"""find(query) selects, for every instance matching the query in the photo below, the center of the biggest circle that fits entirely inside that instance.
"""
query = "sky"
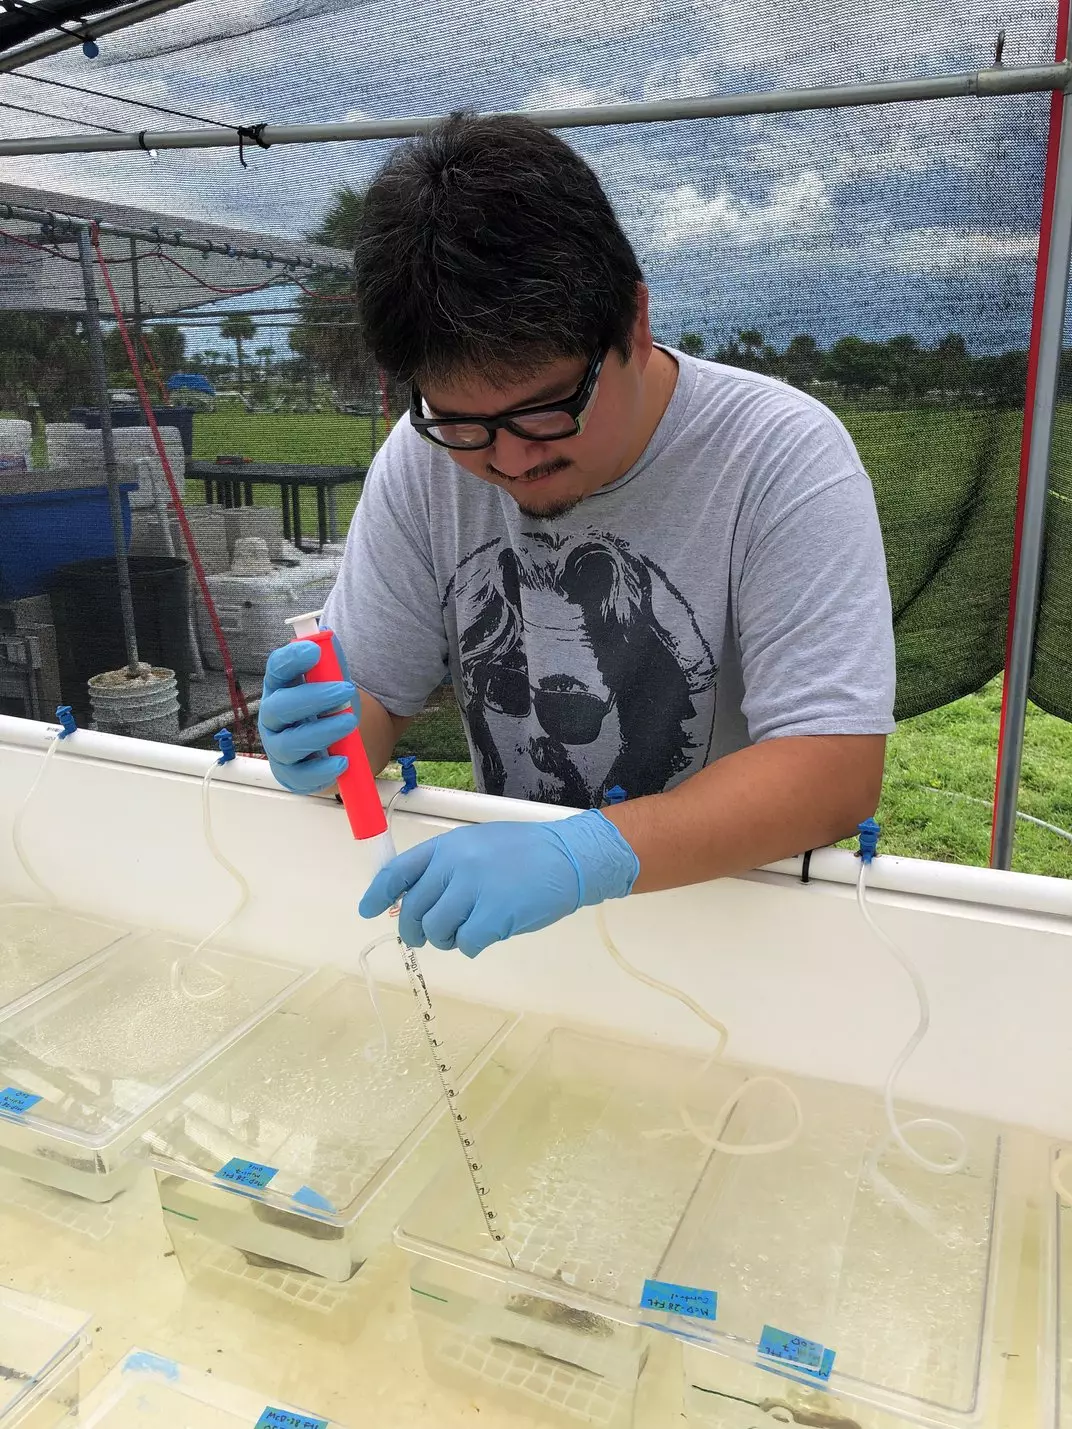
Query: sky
(916, 218)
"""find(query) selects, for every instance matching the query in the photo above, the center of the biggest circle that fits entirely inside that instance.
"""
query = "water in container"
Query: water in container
(41, 946)
(41, 1348)
(835, 1265)
(1061, 1355)
(284, 1172)
(85, 1069)
(841, 1264)
(590, 1192)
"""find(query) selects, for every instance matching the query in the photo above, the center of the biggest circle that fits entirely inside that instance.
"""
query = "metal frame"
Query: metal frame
(82, 229)
(106, 24)
(56, 224)
(979, 84)
(111, 466)
(995, 81)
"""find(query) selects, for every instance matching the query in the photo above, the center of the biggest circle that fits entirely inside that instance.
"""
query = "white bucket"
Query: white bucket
(250, 557)
(16, 439)
(143, 708)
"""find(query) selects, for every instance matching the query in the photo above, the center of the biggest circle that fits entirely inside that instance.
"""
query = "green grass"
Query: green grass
(312, 439)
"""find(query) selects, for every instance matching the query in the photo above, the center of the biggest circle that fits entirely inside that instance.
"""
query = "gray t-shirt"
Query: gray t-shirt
(729, 588)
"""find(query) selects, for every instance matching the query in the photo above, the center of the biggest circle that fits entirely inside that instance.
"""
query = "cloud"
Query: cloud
(684, 218)
(950, 249)
(799, 42)
(563, 93)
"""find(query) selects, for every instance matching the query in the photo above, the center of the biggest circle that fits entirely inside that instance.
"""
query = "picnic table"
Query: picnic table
(231, 484)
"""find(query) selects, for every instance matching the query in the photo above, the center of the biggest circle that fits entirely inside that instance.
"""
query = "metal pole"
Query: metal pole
(106, 25)
(156, 237)
(1036, 488)
(100, 373)
(1028, 79)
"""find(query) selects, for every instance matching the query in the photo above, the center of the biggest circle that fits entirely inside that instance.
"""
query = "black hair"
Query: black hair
(488, 245)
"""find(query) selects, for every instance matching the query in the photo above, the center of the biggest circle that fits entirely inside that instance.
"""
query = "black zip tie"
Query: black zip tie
(141, 141)
(805, 872)
(254, 132)
(999, 49)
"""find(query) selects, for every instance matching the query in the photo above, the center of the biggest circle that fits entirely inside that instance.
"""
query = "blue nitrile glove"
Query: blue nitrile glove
(294, 734)
(475, 886)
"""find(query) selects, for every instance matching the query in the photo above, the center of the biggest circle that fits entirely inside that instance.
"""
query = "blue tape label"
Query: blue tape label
(794, 1349)
(246, 1173)
(306, 1196)
(17, 1101)
(679, 1300)
(286, 1419)
(145, 1362)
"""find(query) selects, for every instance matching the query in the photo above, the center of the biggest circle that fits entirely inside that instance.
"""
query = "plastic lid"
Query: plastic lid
(303, 625)
(41, 946)
(149, 1391)
(38, 1341)
(88, 1062)
(837, 1248)
(313, 1109)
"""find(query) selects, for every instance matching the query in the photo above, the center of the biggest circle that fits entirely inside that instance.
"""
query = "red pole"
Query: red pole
(1049, 186)
(238, 698)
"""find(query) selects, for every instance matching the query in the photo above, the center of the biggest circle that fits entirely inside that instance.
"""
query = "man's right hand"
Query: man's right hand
(296, 721)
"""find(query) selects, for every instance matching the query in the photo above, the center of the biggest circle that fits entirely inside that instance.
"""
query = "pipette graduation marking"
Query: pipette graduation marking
(446, 1077)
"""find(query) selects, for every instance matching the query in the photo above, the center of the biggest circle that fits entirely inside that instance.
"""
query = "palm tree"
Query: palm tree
(238, 328)
(337, 350)
(265, 354)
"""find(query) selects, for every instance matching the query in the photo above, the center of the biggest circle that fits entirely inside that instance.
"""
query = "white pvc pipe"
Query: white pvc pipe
(979, 84)
(984, 887)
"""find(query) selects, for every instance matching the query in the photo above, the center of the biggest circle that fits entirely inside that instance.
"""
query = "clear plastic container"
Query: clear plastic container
(84, 1070)
(329, 1140)
(838, 1243)
(148, 1391)
(41, 1348)
(852, 1284)
(42, 947)
(590, 1177)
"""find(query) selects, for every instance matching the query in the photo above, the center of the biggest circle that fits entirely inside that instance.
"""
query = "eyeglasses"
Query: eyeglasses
(570, 716)
(550, 423)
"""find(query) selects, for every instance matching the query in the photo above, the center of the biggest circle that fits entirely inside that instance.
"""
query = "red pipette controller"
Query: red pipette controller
(357, 785)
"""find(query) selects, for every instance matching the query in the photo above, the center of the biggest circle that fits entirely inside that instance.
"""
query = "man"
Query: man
(640, 570)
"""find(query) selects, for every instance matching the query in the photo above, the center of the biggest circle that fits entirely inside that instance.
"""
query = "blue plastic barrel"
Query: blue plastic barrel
(41, 531)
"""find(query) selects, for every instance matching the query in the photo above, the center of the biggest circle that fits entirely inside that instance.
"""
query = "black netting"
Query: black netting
(1051, 675)
(882, 258)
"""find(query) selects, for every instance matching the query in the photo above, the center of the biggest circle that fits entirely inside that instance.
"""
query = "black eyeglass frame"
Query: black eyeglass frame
(574, 407)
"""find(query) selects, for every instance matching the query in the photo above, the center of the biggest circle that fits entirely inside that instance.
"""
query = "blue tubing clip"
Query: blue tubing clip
(224, 742)
(868, 833)
(615, 795)
(408, 764)
(65, 715)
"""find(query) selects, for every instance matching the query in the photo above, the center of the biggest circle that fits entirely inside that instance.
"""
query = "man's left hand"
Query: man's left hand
(478, 885)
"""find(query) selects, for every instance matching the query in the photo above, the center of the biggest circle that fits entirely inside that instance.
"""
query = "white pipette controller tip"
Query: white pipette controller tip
(303, 625)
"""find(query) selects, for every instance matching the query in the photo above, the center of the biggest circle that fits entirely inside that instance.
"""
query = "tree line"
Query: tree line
(902, 371)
